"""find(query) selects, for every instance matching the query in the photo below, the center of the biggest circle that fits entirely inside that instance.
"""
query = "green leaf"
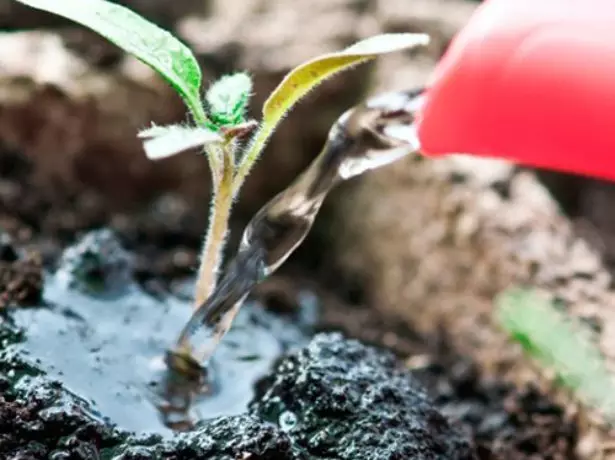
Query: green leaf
(560, 343)
(165, 141)
(227, 99)
(299, 81)
(139, 37)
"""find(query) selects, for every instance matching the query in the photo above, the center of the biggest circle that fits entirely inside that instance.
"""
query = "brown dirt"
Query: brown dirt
(21, 277)
(588, 202)
(451, 235)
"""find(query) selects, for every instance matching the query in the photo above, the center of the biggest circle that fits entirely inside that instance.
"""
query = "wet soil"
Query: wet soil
(502, 422)
(334, 398)
(118, 334)
(81, 374)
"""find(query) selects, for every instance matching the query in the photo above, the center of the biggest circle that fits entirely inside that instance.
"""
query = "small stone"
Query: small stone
(97, 263)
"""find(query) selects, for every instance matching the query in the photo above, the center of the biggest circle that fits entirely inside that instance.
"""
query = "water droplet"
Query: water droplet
(287, 421)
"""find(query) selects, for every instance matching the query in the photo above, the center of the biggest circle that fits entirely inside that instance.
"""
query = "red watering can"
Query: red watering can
(531, 81)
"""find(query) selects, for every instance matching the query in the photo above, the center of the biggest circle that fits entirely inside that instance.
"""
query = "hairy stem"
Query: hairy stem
(214, 154)
(213, 158)
(254, 150)
(211, 254)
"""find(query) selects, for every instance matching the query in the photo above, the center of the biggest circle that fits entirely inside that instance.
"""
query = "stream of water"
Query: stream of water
(373, 134)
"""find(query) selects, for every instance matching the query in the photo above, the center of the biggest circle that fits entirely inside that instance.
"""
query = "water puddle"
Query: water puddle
(108, 347)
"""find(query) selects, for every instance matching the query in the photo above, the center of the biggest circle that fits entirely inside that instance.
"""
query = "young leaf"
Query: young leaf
(139, 37)
(165, 141)
(227, 99)
(299, 81)
(560, 343)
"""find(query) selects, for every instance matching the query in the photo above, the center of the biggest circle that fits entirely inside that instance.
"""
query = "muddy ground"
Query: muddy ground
(69, 164)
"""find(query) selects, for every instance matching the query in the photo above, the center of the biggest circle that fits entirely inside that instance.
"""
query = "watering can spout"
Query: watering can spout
(529, 81)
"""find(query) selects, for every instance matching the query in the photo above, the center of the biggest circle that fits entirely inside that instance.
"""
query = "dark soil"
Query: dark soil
(503, 422)
(361, 408)
(335, 398)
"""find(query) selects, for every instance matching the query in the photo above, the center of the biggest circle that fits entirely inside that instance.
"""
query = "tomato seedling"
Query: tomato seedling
(218, 121)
